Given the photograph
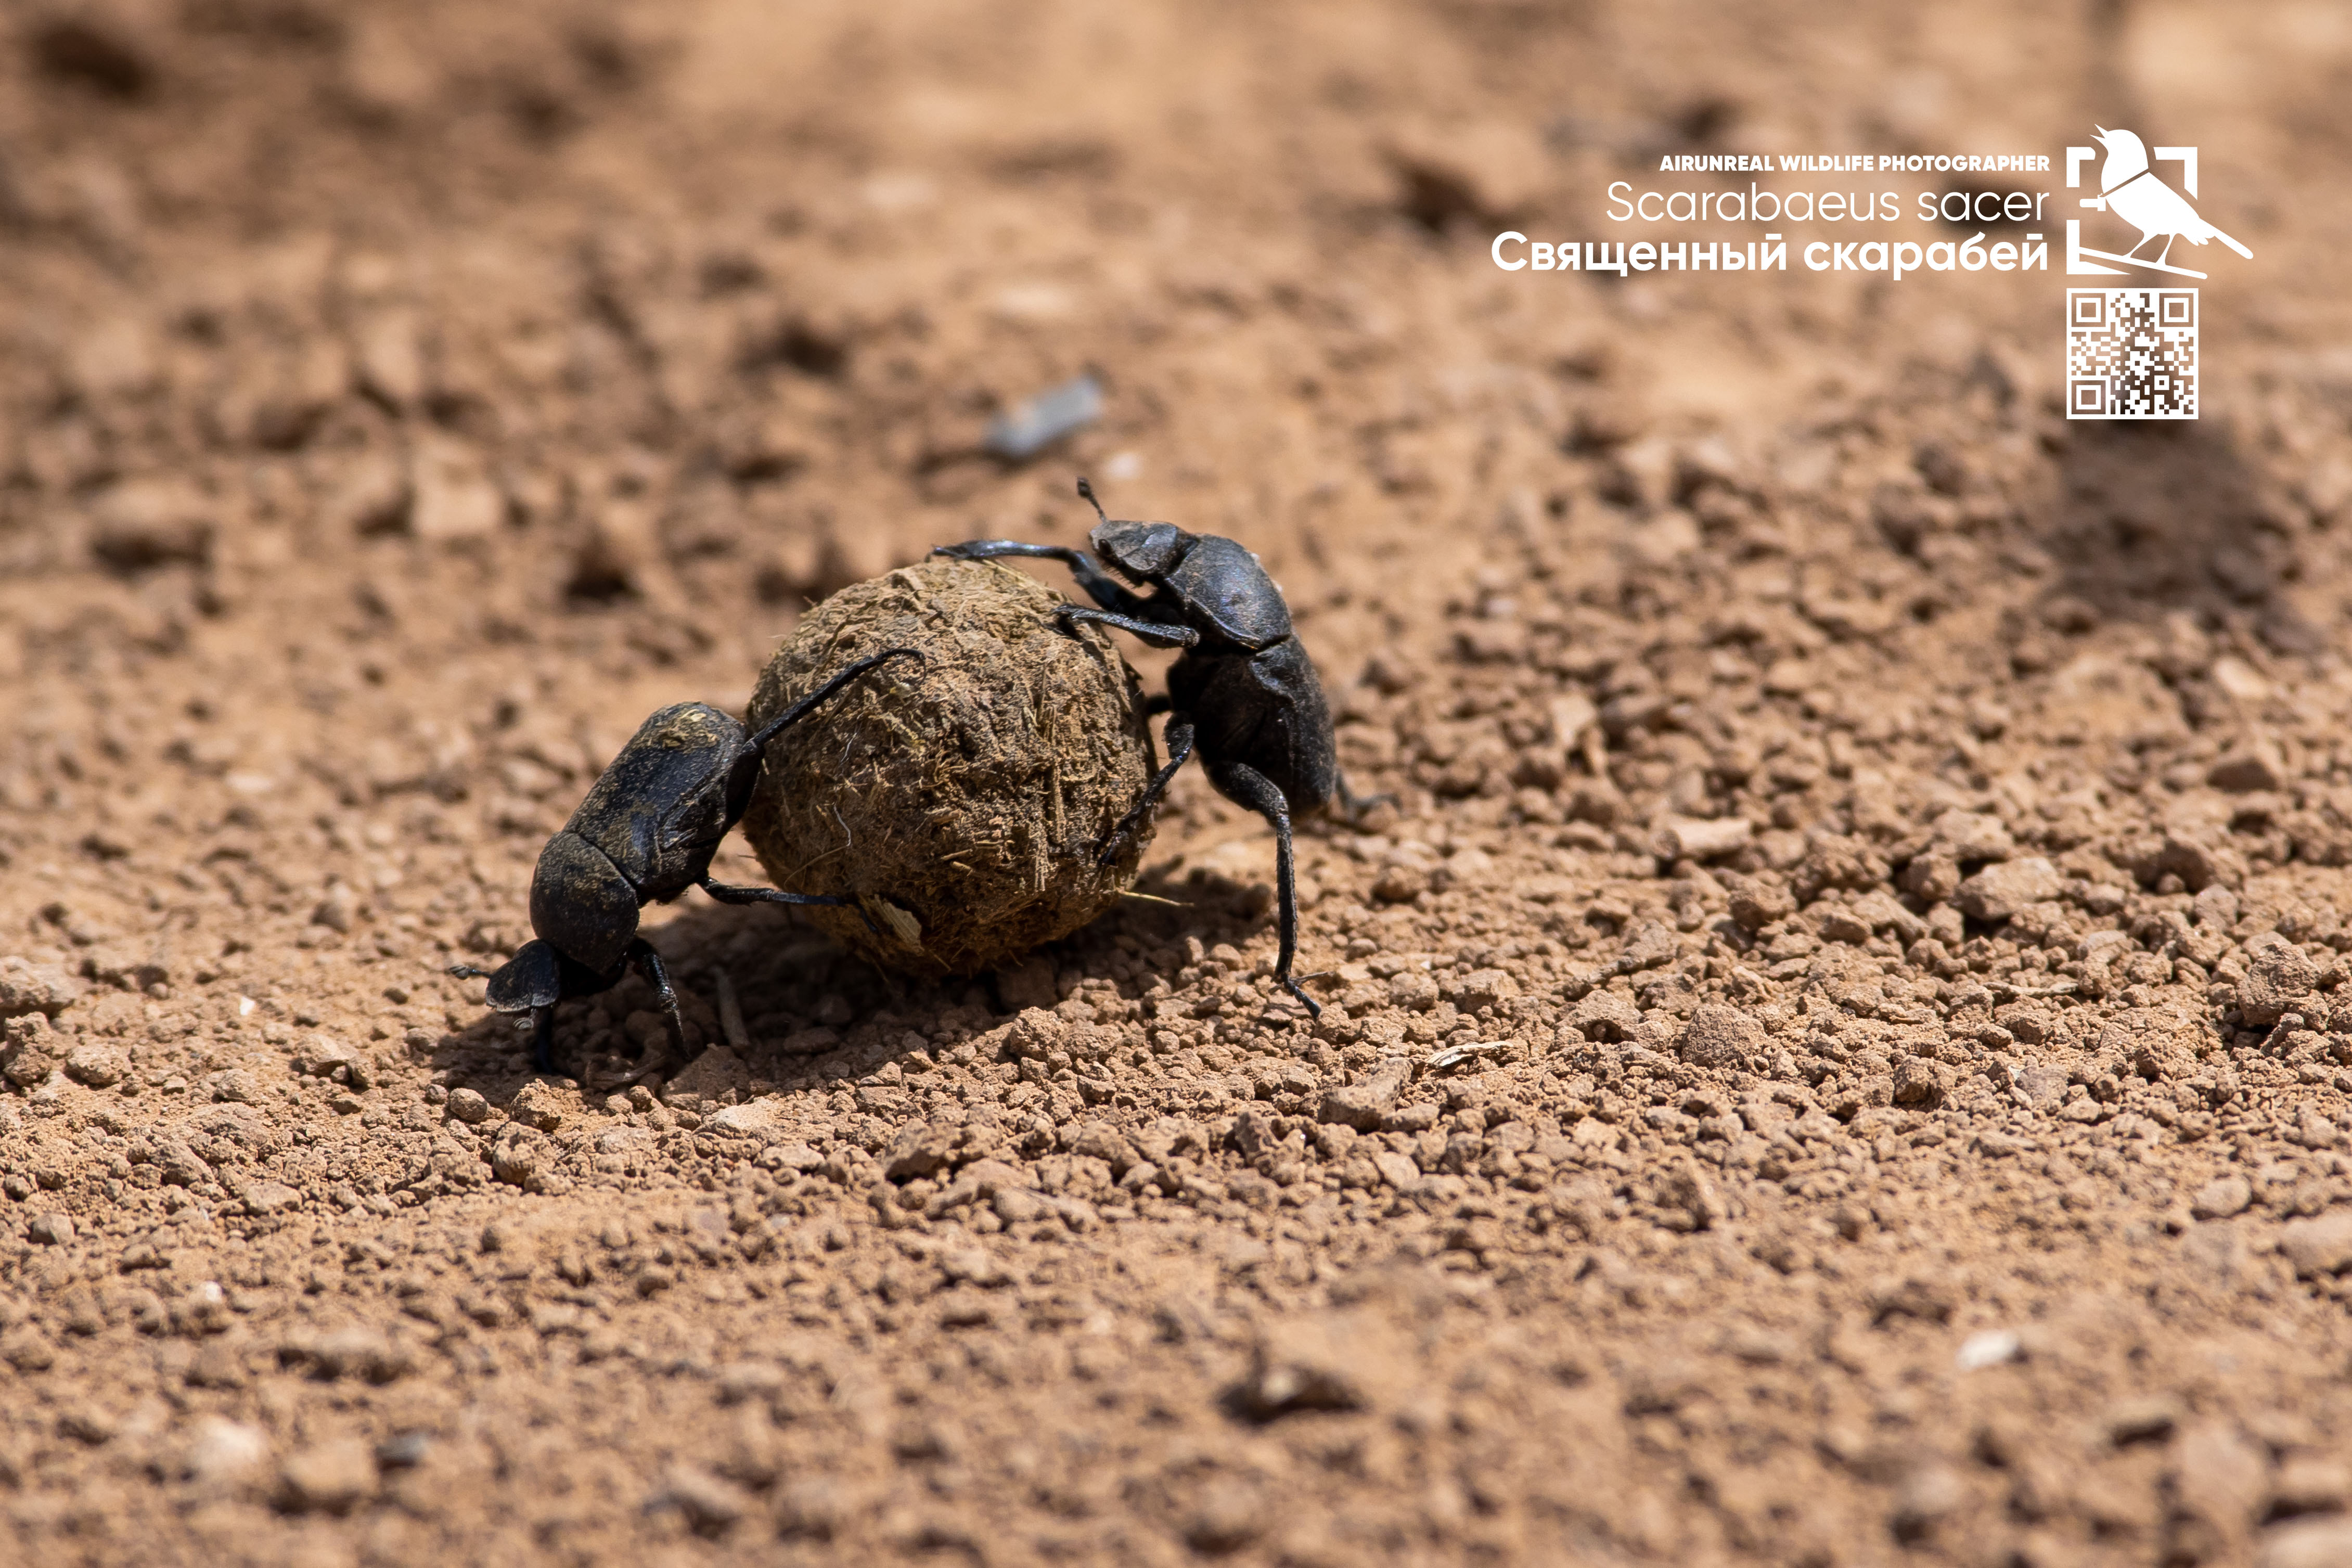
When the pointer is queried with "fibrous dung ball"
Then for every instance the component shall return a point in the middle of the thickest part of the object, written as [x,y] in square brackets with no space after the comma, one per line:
[960,801]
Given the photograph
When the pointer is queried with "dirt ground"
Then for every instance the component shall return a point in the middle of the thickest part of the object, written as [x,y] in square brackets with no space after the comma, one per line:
[1837,1053]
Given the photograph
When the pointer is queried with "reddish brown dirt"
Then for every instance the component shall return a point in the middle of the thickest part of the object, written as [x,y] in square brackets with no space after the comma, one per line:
[398,403]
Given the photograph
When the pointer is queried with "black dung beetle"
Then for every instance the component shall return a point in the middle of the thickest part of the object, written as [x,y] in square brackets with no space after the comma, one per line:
[645,833]
[1244,693]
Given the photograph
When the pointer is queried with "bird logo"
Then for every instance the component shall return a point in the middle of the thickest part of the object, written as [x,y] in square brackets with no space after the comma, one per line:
[2131,189]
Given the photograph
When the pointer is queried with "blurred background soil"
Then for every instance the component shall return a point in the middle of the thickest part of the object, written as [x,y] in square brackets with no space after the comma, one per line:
[1837,1053]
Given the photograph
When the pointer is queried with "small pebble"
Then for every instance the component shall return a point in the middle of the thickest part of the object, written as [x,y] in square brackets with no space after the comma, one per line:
[220,1450]
[1987,1347]
[326,1478]
[1028,428]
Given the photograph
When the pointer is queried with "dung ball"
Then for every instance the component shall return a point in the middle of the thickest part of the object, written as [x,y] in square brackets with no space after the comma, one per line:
[960,802]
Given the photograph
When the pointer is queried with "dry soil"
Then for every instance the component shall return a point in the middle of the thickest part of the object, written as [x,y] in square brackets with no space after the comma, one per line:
[1836,1053]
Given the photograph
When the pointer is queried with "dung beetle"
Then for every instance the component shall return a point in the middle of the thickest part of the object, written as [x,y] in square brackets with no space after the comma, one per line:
[1245,694]
[645,833]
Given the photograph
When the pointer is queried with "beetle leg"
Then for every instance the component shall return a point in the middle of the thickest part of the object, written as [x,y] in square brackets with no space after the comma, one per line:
[728,895]
[1157,635]
[800,709]
[989,549]
[1100,586]
[1107,590]
[467,972]
[649,963]
[1179,748]
[1245,786]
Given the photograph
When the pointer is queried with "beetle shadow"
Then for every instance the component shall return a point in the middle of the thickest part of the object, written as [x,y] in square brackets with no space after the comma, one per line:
[815,1013]
[791,984]
[1176,901]
[1168,905]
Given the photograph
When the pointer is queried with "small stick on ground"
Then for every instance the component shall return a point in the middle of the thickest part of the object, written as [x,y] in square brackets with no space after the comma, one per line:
[730,1015]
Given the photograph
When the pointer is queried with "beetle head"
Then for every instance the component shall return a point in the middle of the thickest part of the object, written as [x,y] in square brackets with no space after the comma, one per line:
[533,978]
[1141,551]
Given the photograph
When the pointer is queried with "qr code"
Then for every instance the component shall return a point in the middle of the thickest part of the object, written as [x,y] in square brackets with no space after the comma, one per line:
[2131,353]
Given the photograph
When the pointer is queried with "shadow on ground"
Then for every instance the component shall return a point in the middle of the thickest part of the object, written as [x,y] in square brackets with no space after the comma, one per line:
[2159,517]
[808,1001]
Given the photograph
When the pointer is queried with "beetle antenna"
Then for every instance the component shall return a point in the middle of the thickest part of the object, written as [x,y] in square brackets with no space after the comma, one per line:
[1087,490]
